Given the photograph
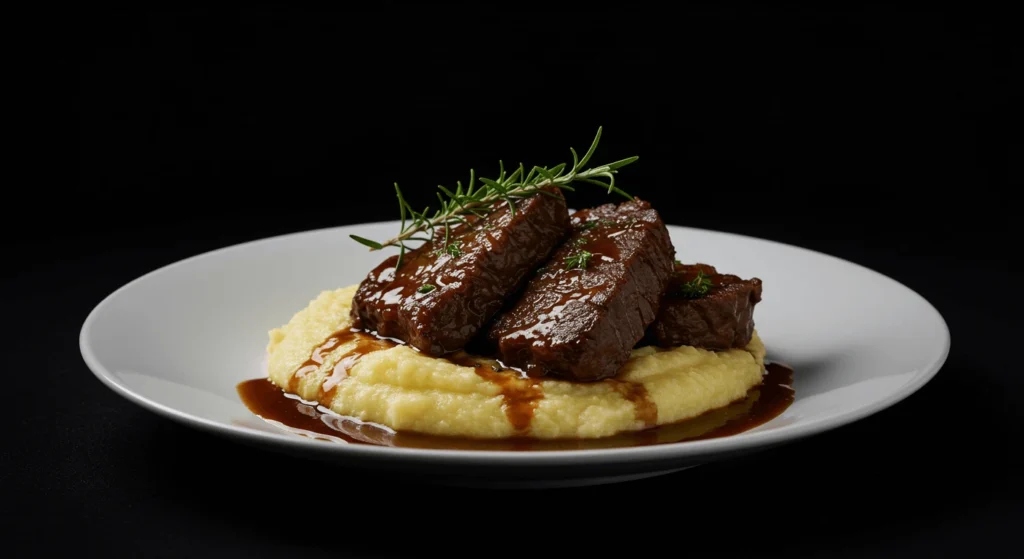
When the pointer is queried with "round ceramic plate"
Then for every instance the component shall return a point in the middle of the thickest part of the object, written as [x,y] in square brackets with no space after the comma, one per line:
[179,340]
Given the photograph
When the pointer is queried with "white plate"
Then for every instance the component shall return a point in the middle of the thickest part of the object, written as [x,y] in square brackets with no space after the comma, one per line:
[177,341]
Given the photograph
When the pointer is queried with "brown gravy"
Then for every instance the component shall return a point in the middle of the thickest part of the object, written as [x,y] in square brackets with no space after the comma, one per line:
[365,343]
[520,393]
[761,404]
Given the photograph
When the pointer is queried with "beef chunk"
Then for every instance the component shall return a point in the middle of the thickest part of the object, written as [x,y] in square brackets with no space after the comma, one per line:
[720,319]
[445,293]
[580,316]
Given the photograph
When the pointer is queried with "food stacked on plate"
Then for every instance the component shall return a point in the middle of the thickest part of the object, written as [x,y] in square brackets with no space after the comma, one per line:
[516,318]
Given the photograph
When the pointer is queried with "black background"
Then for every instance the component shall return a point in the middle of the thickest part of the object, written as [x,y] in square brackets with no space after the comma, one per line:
[888,138]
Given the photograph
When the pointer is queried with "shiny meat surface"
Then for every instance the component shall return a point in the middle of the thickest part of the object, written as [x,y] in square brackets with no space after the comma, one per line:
[443,294]
[580,317]
[723,318]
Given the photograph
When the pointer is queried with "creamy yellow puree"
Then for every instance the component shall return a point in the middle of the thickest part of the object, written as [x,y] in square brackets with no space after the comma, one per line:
[409,391]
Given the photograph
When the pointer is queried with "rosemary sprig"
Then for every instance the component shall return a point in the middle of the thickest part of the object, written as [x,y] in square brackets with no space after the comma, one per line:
[482,195]
[697,287]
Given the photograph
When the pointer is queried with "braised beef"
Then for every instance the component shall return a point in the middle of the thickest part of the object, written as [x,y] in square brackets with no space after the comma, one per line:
[444,293]
[581,315]
[722,318]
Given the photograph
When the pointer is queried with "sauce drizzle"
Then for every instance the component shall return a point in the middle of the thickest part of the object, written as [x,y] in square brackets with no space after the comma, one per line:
[521,394]
[365,343]
[762,404]
[646,409]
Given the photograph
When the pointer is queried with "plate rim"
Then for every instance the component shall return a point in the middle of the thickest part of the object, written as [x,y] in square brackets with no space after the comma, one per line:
[683,450]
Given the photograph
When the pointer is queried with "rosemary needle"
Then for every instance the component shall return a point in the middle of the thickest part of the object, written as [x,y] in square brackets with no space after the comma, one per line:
[482,196]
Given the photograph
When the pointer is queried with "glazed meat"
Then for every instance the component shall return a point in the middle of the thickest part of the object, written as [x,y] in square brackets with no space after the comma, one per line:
[445,293]
[581,315]
[722,318]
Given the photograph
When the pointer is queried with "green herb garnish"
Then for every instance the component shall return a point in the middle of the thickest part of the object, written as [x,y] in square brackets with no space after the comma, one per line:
[426,288]
[579,260]
[481,199]
[697,287]
[587,226]
[452,249]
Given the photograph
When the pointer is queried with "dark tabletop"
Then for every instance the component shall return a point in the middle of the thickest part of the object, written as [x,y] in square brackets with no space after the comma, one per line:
[887,139]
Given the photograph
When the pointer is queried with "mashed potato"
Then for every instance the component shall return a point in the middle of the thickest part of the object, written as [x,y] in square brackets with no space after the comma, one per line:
[410,391]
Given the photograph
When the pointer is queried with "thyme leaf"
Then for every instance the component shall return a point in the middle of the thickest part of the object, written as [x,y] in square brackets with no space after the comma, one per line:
[579,260]
[697,287]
